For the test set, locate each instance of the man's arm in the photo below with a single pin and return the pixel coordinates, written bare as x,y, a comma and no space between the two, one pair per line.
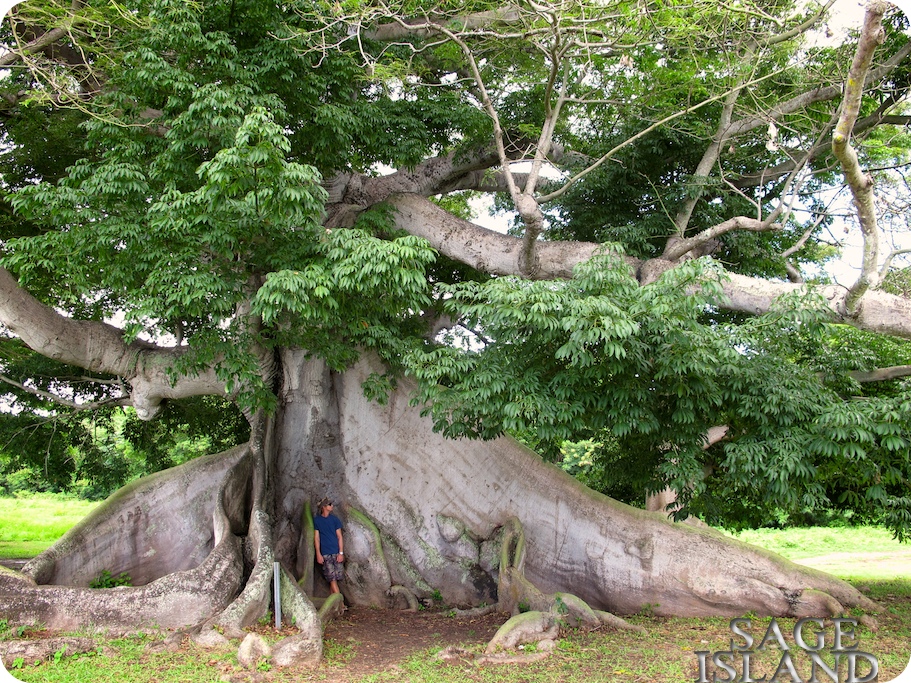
319,555
341,544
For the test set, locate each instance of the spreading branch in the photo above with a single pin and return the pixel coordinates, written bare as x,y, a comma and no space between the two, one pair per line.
881,374
498,254
99,347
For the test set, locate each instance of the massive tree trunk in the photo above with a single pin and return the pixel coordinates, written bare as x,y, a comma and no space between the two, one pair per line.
420,511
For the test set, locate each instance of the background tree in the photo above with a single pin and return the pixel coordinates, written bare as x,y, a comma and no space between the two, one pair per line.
231,206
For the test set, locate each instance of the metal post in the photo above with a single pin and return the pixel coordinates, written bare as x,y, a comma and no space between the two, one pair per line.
278,595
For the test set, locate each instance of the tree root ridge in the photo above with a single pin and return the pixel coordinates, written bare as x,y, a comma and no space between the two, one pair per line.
173,601
453,653
135,530
480,611
410,598
177,598
331,607
536,616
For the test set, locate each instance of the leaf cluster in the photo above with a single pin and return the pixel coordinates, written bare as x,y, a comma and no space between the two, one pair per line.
622,382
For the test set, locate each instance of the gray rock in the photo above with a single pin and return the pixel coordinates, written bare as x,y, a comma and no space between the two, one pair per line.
252,649
210,639
298,650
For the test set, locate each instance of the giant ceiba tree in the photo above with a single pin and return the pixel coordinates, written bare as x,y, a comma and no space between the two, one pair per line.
275,201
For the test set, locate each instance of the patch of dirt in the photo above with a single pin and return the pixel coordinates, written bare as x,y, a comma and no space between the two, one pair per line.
367,640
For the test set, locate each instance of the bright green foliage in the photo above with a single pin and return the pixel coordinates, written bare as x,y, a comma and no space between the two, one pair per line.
804,448
365,293
595,353
626,380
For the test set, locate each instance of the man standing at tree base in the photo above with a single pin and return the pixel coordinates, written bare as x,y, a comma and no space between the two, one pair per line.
330,547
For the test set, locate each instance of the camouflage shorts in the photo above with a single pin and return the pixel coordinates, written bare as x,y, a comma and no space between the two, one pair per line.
333,570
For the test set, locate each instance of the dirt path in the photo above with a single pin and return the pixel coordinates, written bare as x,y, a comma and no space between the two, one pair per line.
370,640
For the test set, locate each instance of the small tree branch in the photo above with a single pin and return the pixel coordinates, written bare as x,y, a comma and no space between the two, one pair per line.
707,163
887,264
116,401
794,274
677,248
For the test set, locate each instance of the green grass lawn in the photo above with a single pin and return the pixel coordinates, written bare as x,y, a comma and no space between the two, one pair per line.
860,553
797,544
665,653
29,524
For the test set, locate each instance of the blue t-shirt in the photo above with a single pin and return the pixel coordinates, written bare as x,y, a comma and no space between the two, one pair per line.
327,526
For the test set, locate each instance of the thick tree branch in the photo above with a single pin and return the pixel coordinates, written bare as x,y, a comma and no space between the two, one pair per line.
430,177
457,170
498,254
523,20
100,347
483,249
426,27
36,45
479,181
878,312
94,346
42,41
881,374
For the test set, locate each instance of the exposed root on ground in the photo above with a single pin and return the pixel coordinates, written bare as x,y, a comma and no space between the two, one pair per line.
410,598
